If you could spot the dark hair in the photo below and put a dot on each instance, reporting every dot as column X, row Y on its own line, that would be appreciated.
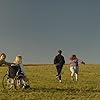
column 3, row 55
column 60, row 51
column 73, row 57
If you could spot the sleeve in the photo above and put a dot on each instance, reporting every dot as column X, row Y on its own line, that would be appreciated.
column 55, row 60
column 6, row 63
column 80, row 61
column 63, row 60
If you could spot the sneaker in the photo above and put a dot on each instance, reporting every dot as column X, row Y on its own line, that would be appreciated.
column 57, row 77
column 27, row 86
column 60, row 81
column 23, row 87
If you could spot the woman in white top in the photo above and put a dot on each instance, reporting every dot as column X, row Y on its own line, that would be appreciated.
column 74, row 66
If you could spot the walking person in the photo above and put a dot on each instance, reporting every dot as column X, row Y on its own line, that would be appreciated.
column 74, row 66
column 59, row 61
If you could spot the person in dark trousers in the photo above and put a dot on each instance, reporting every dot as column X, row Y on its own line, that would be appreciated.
column 59, row 61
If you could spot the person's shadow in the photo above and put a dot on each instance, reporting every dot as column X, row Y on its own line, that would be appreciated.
column 67, row 90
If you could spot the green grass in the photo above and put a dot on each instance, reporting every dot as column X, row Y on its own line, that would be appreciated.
column 44, row 86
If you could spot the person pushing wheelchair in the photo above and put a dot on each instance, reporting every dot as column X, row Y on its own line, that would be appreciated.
column 15, row 69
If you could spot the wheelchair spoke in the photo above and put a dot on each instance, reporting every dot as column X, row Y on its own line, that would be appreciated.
column 7, row 82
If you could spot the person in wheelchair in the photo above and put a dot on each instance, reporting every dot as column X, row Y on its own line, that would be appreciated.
column 17, row 70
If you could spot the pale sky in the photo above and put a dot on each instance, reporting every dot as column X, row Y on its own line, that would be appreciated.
column 37, row 29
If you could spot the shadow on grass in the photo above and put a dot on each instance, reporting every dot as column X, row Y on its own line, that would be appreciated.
column 53, row 90
column 67, row 90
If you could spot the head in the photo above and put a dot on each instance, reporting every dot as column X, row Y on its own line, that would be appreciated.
column 59, row 51
column 73, row 57
column 18, row 59
column 2, row 56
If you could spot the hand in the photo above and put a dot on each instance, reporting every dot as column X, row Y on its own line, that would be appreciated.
column 83, row 63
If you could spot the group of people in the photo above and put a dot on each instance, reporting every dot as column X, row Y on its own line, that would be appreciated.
column 59, row 61
column 15, row 68
column 74, row 62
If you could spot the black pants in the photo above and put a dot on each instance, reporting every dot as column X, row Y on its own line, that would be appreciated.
column 59, row 69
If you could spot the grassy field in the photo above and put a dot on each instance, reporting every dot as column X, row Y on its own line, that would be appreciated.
column 44, row 86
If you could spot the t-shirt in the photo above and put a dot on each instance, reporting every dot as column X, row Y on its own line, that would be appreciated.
column 75, row 62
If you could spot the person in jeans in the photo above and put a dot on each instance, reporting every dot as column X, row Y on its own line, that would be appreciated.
column 59, row 61
column 74, row 66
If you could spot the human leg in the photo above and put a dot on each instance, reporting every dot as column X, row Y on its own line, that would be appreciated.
column 59, row 72
column 76, row 73
column 58, row 76
column 76, row 76
column 57, row 68
column 72, row 73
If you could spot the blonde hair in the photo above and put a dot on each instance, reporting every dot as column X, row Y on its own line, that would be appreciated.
column 18, row 59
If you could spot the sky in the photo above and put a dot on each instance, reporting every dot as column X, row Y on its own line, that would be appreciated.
column 37, row 29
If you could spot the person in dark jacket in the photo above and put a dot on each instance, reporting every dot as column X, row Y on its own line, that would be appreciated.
column 59, row 61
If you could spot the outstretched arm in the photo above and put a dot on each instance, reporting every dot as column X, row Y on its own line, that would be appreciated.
column 83, row 62
column 8, row 63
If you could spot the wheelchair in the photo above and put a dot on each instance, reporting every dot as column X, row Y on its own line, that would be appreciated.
column 14, row 78
column 16, row 82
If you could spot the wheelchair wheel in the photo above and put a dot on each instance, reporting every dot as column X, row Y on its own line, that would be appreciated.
column 18, row 84
column 7, row 82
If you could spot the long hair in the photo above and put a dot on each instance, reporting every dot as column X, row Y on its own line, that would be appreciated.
column 73, row 57
column 18, row 59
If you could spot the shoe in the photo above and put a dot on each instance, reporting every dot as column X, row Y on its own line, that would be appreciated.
column 23, row 87
column 60, row 81
column 57, row 77
column 27, row 86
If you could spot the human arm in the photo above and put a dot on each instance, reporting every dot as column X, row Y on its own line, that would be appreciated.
column 5, row 63
column 55, row 60
column 73, row 62
column 83, row 62
column 62, row 61
column 80, row 61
